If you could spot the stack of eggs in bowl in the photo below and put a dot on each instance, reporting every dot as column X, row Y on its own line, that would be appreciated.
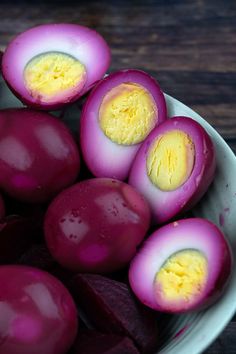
column 126, row 246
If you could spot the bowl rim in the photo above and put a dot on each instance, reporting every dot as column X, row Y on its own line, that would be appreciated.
column 213, row 334
column 231, row 308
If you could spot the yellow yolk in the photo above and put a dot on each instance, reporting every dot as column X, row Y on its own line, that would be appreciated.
column 127, row 114
column 170, row 160
column 183, row 276
column 50, row 74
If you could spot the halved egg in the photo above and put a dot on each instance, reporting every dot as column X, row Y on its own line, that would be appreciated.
column 51, row 65
column 117, row 117
column 174, row 167
column 183, row 266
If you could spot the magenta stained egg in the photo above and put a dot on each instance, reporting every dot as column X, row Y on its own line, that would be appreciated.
column 174, row 167
column 51, row 65
column 96, row 225
column 38, row 156
column 182, row 266
column 38, row 314
column 117, row 117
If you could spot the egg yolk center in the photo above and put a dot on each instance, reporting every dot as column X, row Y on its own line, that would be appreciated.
column 50, row 75
column 183, row 276
column 170, row 160
column 127, row 114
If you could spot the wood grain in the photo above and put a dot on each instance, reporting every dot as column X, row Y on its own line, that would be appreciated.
column 188, row 46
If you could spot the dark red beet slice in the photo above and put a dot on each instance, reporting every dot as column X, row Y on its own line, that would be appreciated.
column 39, row 256
column 17, row 234
column 112, row 308
column 93, row 342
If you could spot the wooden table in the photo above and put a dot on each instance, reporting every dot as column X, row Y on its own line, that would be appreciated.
column 188, row 46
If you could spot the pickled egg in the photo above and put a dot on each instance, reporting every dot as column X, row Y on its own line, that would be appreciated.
column 51, row 65
column 174, row 167
column 182, row 266
column 117, row 117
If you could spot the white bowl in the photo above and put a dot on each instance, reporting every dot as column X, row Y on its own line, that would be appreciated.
column 194, row 332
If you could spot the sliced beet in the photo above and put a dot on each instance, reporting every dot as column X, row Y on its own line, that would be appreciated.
column 17, row 234
column 112, row 308
column 39, row 256
column 93, row 342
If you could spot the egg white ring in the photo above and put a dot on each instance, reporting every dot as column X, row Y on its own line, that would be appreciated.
column 195, row 233
column 104, row 157
column 80, row 42
column 166, row 204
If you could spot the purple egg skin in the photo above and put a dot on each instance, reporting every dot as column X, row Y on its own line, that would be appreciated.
column 104, row 157
column 80, row 42
column 2, row 207
column 165, row 205
column 194, row 233
column 38, row 156
column 96, row 225
column 38, row 314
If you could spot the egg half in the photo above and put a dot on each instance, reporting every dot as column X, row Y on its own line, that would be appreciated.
column 182, row 266
column 174, row 167
column 51, row 65
column 119, row 114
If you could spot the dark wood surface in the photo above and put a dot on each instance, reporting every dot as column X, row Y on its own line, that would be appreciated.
column 188, row 46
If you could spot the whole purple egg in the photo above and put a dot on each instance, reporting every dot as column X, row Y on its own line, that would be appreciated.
column 117, row 117
column 38, row 156
column 51, row 65
column 38, row 315
column 96, row 225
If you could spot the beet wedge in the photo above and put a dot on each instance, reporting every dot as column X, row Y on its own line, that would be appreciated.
column 39, row 256
column 112, row 308
column 93, row 342
column 17, row 234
